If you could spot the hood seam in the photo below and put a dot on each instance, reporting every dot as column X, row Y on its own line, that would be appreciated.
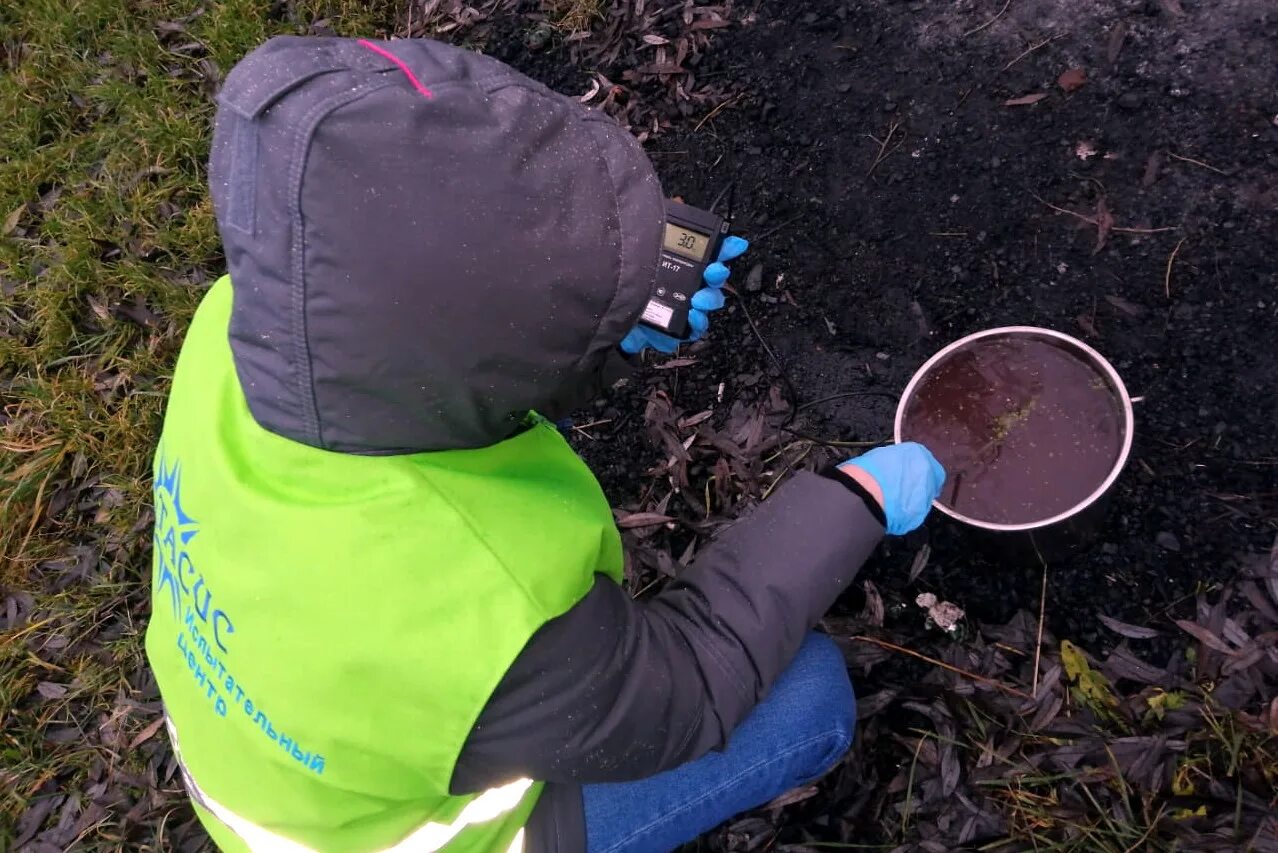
column 307, row 400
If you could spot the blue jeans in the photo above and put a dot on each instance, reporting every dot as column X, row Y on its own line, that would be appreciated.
column 797, row 733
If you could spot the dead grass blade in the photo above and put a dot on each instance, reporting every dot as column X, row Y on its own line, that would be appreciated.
column 981, row 679
column 1171, row 260
column 1133, row 632
column 990, row 22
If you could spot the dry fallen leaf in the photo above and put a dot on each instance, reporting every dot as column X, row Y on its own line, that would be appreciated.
column 791, row 797
column 1104, row 222
column 1116, row 38
column 1152, row 165
column 1025, row 100
column 642, row 519
column 591, row 92
column 1204, row 636
column 1072, row 80
column 1135, row 632
column 693, row 420
column 1129, row 308
column 11, row 221
column 1121, row 663
column 51, row 690
column 874, row 610
column 147, row 733
column 1271, row 577
column 920, row 562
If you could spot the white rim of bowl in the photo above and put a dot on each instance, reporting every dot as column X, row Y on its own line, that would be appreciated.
column 1097, row 361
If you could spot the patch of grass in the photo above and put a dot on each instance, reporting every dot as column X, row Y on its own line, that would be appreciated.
column 574, row 16
column 107, row 242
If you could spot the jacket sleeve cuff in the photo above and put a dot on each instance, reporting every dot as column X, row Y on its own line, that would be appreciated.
column 838, row 475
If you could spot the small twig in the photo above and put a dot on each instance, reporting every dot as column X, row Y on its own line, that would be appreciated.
column 1170, row 260
column 714, row 112
column 1028, row 51
column 648, row 586
column 1165, row 228
column 1153, row 824
column 1042, row 610
column 757, row 239
column 909, row 787
column 1091, row 220
column 762, row 341
column 989, row 22
column 1198, row 163
column 583, row 427
column 884, row 151
column 788, row 468
column 1010, row 649
column 1088, row 219
column 943, row 665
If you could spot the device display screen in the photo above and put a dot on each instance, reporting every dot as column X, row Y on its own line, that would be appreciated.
column 681, row 241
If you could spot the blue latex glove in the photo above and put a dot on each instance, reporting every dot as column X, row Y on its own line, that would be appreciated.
column 910, row 478
column 708, row 298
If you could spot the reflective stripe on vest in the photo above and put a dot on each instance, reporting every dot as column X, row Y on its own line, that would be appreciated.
column 427, row 838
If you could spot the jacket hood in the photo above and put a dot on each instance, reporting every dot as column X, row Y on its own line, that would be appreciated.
column 423, row 244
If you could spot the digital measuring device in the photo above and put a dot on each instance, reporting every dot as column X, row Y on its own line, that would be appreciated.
column 690, row 242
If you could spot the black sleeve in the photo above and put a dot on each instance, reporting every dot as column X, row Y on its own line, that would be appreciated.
column 617, row 690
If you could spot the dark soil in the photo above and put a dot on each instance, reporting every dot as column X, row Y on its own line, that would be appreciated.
column 867, row 270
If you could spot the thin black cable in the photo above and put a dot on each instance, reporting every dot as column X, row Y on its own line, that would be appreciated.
column 888, row 394
column 729, row 187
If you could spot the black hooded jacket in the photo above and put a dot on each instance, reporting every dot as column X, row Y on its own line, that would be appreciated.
column 424, row 246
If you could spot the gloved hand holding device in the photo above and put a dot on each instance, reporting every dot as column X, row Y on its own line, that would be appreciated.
column 708, row 298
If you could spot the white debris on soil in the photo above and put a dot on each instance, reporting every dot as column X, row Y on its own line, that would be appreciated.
column 1085, row 150
column 944, row 614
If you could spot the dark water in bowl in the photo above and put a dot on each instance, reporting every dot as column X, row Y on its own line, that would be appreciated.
column 1024, row 428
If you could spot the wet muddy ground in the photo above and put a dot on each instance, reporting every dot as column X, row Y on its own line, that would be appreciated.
column 914, row 172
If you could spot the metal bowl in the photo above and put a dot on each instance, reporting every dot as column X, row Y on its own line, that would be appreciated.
column 1065, row 522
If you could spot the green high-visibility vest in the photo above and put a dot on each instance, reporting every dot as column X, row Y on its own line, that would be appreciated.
column 326, row 628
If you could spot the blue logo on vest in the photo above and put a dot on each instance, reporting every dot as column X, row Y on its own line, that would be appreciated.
column 179, row 581
column 175, row 571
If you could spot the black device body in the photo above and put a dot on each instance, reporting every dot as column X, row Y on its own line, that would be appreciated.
column 690, row 242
